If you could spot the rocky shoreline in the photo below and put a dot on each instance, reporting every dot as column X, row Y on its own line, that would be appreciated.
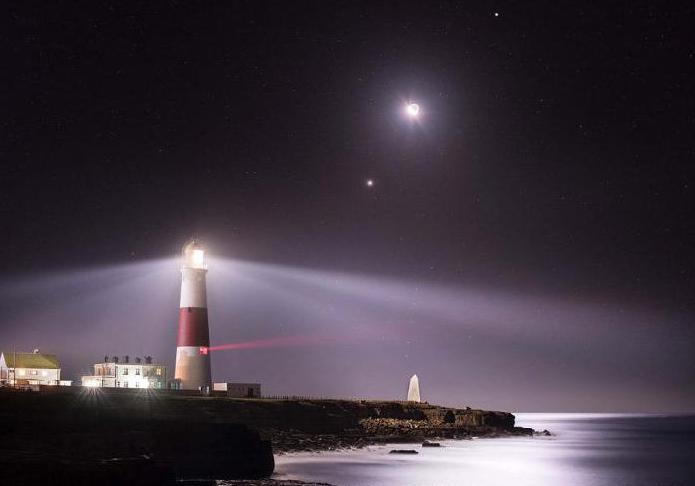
column 269, row 482
column 297, row 441
column 117, row 436
column 413, row 423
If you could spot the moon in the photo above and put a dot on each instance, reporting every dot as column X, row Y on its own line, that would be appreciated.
column 412, row 109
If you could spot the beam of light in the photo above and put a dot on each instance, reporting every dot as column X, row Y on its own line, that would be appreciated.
column 84, row 314
column 306, row 326
column 559, row 329
column 277, row 342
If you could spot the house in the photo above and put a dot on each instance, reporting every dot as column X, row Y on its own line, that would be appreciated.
column 34, row 368
column 122, row 373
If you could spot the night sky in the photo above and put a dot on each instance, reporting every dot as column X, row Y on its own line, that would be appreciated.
column 549, row 174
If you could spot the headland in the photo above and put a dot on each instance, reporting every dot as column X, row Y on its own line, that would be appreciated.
column 102, row 436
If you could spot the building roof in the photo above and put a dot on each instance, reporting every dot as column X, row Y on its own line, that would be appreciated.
column 32, row 360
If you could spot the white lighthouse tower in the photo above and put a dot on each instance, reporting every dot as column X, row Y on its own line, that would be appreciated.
column 193, row 340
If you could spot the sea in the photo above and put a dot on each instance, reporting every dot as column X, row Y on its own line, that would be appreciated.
column 584, row 450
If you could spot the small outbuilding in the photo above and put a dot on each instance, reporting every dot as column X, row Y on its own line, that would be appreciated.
column 239, row 390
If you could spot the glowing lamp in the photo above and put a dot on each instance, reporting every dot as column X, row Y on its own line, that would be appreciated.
column 198, row 257
column 194, row 256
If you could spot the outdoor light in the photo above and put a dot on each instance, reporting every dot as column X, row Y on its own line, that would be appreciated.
column 198, row 257
column 194, row 256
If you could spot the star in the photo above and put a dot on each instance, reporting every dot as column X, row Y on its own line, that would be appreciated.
column 369, row 183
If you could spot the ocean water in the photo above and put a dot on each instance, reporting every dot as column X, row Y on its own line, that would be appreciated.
column 585, row 450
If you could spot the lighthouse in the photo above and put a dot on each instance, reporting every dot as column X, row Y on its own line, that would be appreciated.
column 193, row 339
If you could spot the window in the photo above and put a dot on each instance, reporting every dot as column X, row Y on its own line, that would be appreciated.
column 44, row 373
column 125, row 384
column 21, row 372
column 125, row 371
column 34, row 372
column 137, row 371
column 159, row 371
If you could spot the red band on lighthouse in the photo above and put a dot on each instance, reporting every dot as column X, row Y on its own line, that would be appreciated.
column 193, row 327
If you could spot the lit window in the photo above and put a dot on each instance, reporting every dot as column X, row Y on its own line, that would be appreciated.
column 159, row 371
column 20, row 372
column 44, row 373
column 34, row 372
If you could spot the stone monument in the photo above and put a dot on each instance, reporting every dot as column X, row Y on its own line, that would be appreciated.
column 414, row 389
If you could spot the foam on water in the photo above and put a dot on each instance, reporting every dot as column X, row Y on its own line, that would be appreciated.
column 586, row 450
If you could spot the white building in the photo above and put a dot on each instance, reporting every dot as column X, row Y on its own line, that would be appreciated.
column 117, row 373
column 239, row 390
column 30, row 369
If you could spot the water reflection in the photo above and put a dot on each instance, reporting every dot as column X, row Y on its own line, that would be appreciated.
column 586, row 450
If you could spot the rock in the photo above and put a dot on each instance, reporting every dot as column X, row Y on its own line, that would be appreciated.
column 427, row 443
column 22, row 469
column 218, row 451
column 403, row 451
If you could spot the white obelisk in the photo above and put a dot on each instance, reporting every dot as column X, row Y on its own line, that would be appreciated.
column 414, row 389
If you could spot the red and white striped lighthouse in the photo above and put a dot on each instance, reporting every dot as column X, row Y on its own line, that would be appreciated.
column 193, row 340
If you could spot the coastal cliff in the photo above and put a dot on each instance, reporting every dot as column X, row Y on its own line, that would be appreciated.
column 132, row 435
column 332, row 424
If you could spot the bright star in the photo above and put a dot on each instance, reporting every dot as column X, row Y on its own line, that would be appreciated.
column 369, row 182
